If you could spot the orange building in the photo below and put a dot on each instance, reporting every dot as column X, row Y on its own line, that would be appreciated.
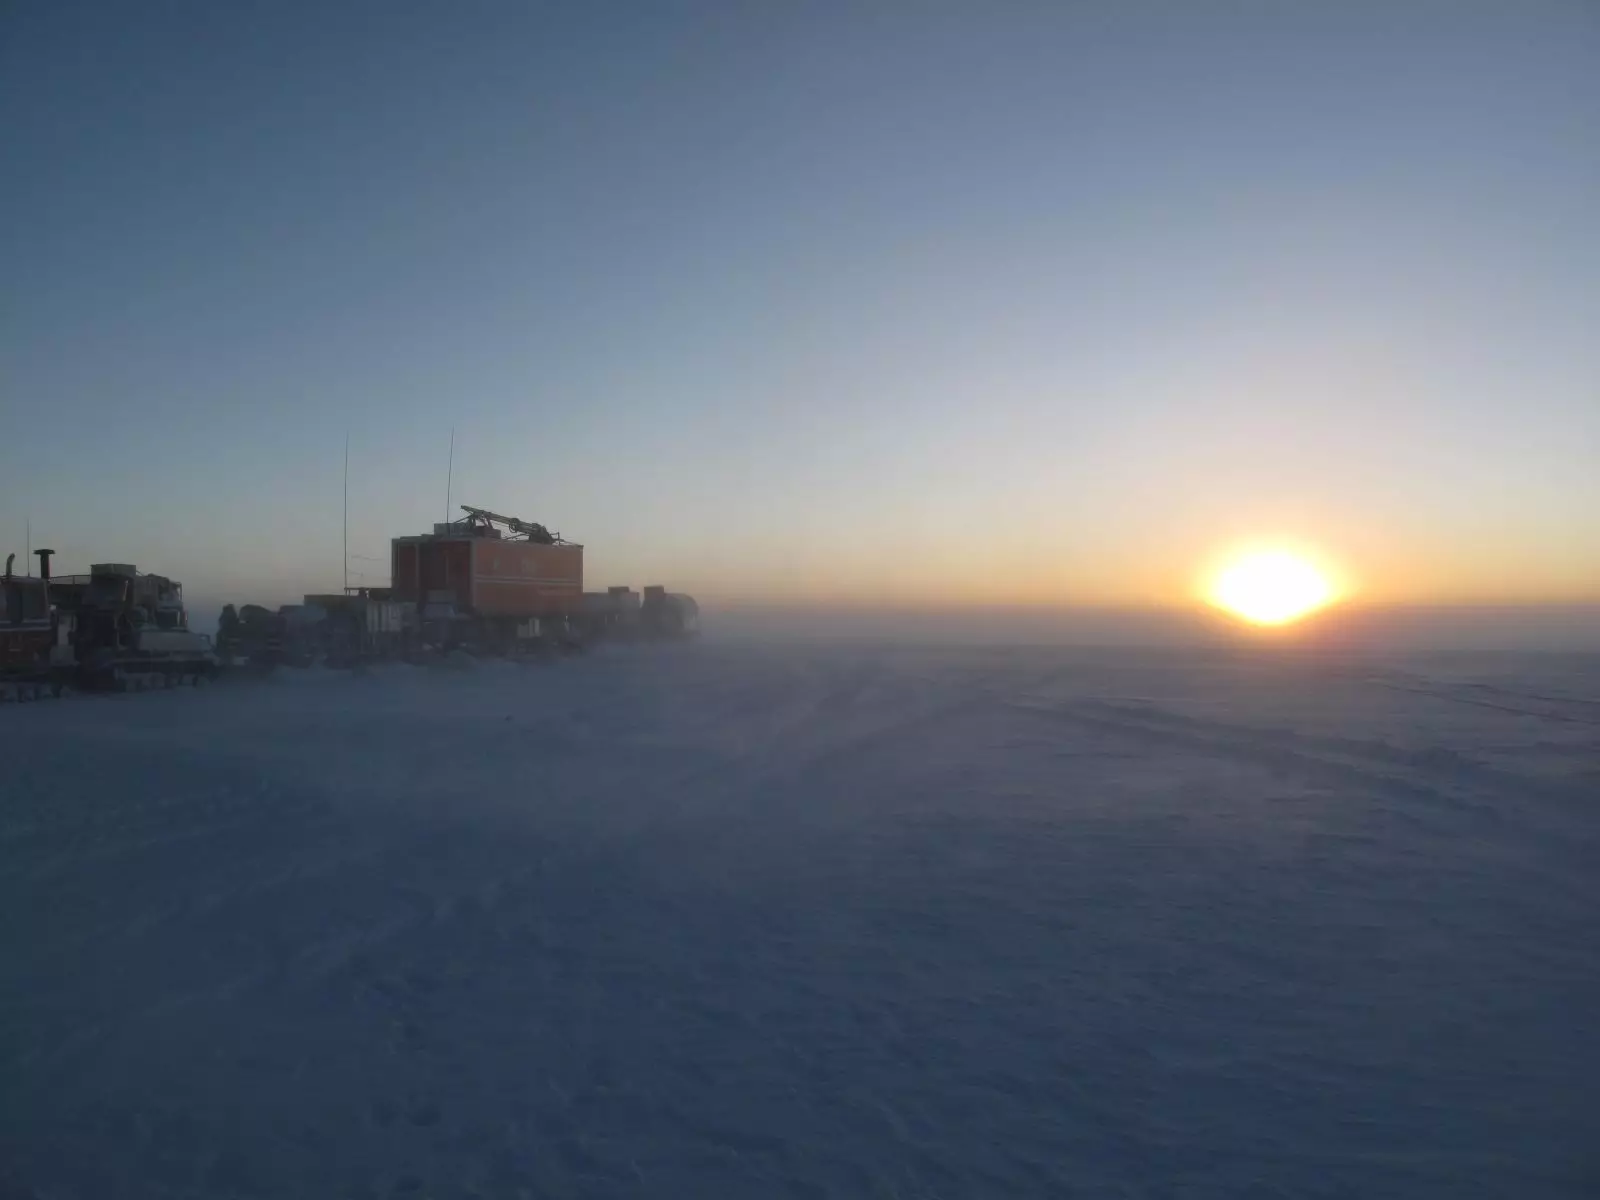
column 476, row 572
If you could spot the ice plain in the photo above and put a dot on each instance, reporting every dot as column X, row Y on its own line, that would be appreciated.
column 768, row 920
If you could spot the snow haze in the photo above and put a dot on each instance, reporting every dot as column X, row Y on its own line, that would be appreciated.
column 762, row 918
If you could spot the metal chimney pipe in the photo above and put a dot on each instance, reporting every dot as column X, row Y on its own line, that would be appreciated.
column 10, row 558
column 44, row 563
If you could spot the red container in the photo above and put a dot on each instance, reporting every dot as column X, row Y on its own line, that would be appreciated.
column 489, row 577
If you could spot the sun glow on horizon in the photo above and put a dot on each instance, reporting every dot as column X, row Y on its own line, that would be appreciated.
column 1270, row 588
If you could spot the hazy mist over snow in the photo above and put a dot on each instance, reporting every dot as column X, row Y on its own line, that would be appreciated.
column 765, row 918
column 1344, row 630
column 1556, row 628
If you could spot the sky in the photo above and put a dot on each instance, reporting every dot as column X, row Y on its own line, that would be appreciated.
column 1040, row 304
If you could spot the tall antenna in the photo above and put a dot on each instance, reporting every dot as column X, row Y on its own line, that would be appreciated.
column 450, row 473
column 28, row 523
column 347, row 511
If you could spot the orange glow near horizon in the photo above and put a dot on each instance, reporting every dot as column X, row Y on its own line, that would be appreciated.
column 1173, row 566
column 1273, row 587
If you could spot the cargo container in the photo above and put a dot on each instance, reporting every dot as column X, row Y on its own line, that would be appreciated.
column 613, row 613
column 354, row 628
column 613, row 602
column 669, row 614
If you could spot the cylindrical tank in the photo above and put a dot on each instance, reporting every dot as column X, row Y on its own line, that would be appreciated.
column 686, row 613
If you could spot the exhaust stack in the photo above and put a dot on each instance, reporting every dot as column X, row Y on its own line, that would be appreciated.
column 44, row 564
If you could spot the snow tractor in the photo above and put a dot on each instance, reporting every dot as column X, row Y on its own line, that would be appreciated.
column 132, row 633
column 35, row 657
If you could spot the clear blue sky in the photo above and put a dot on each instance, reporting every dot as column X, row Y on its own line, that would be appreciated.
column 1044, row 302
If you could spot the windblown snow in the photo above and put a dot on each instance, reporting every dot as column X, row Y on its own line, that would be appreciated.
column 809, row 921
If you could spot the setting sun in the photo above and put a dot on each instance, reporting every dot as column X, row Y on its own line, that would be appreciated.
column 1271, row 588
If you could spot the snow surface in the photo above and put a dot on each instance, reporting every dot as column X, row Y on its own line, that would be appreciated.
column 751, row 921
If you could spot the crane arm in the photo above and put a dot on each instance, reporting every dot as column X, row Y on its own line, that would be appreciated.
column 531, row 529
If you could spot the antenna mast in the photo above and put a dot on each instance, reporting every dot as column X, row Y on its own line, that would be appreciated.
column 347, row 512
column 449, row 477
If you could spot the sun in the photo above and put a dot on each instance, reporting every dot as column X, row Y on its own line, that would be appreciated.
column 1270, row 588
